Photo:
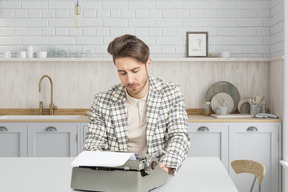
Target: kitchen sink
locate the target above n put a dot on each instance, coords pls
(40, 116)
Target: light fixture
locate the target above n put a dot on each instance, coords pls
(77, 11)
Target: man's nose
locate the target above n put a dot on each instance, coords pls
(130, 78)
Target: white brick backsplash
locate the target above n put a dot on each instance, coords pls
(103, 13)
(7, 13)
(141, 31)
(62, 40)
(34, 5)
(61, 22)
(89, 40)
(34, 32)
(141, 5)
(182, 13)
(141, 22)
(250, 22)
(127, 13)
(161, 24)
(115, 13)
(169, 5)
(195, 5)
(155, 31)
(102, 31)
(6, 32)
(222, 5)
(21, 14)
(34, 14)
(155, 13)
(128, 31)
(168, 22)
(251, 40)
(169, 40)
(114, 5)
(115, 22)
(89, 31)
(34, 41)
(168, 13)
(62, 13)
(61, 5)
(89, 13)
(34, 22)
(20, 31)
(48, 13)
(61, 31)
(48, 31)
(141, 14)
(10, 5)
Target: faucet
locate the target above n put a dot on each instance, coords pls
(51, 105)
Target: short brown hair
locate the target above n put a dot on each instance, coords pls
(129, 46)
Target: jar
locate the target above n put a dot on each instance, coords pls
(207, 109)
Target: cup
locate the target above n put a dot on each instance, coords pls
(30, 49)
(22, 54)
(30, 54)
(225, 54)
(7, 54)
(254, 109)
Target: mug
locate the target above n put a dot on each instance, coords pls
(22, 54)
(42, 54)
(7, 54)
(225, 54)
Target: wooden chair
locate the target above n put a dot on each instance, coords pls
(253, 167)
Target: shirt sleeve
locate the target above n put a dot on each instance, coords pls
(178, 141)
(96, 137)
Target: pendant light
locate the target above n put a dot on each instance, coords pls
(77, 11)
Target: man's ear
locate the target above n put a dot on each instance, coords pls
(148, 64)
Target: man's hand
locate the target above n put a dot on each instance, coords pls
(169, 170)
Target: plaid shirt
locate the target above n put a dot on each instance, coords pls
(166, 122)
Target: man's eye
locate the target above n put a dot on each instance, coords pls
(135, 71)
(122, 73)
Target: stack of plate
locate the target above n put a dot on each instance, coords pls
(221, 92)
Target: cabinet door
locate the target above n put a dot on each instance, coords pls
(82, 134)
(52, 140)
(209, 140)
(258, 142)
(13, 140)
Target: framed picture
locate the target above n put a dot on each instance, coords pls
(197, 44)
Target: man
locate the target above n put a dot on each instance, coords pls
(142, 114)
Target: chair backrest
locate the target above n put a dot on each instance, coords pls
(249, 166)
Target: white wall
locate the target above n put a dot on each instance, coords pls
(240, 26)
(277, 28)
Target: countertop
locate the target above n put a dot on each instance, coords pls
(191, 118)
(52, 174)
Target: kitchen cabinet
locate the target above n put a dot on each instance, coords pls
(209, 140)
(82, 135)
(237, 140)
(13, 140)
(258, 142)
(53, 140)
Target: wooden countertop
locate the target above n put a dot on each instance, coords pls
(191, 119)
(202, 118)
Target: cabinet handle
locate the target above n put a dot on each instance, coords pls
(52, 129)
(252, 129)
(203, 128)
(3, 129)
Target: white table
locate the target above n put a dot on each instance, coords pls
(201, 174)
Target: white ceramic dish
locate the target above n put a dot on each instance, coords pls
(244, 106)
(218, 100)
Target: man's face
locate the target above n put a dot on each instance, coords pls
(133, 75)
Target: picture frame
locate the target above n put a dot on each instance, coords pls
(197, 44)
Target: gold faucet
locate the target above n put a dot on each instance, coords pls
(51, 105)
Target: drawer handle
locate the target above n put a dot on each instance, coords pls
(203, 128)
(252, 129)
(3, 129)
(51, 129)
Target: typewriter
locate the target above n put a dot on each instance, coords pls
(140, 175)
